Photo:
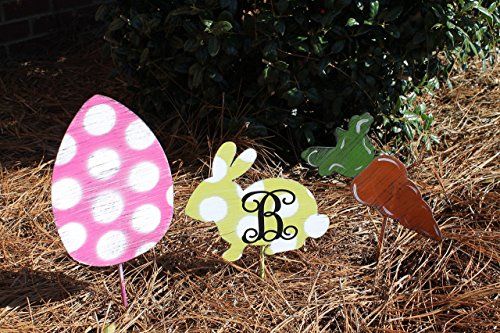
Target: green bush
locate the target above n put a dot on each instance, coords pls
(296, 69)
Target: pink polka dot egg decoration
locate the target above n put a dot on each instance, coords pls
(112, 190)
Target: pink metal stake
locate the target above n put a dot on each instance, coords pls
(122, 285)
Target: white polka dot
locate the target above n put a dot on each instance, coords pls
(138, 135)
(248, 222)
(107, 207)
(144, 248)
(170, 196)
(99, 119)
(67, 150)
(287, 208)
(240, 191)
(111, 245)
(144, 176)
(73, 236)
(219, 170)
(257, 186)
(213, 209)
(316, 225)
(146, 218)
(66, 193)
(248, 155)
(103, 163)
(282, 245)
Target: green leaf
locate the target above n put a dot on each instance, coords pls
(408, 131)
(101, 13)
(338, 46)
(374, 9)
(393, 31)
(302, 48)
(116, 24)
(450, 37)
(207, 24)
(215, 75)
(197, 77)
(176, 43)
(224, 3)
(282, 6)
(433, 84)
(317, 48)
(294, 97)
(137, 23)
(185, 11)
(225, 16)
(409, 116)
(427, 142)
(434, 138)
(313, 96)
(144, 56)
(420, 109)
(418, 38)
(396, 129)
(309, 135)
(190, 27)
(486, 14)
(213, 46)
(191, 45)
(340, 4)
(270, 50)
(280, 27)
(392, 14)
(221, 27)
(329, 4)
(194, 68)
(370, 80)
(265, 73)
(352, 22)
(281, 65)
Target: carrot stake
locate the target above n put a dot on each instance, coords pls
(122, 285)
(380, 181)
(381, 237)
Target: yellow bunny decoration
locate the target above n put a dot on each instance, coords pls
(276, 213)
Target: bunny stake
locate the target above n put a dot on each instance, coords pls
(276, 213)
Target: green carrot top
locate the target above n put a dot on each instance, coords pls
(352, 153)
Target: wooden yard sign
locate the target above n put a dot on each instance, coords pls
(277, 214)
(112, 191)
(380, 182)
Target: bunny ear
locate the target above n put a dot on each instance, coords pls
(242, 163)
(222, 161)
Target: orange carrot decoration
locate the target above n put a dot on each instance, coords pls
(385, 186)
(380, 182)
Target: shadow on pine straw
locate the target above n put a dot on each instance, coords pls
(36, 287)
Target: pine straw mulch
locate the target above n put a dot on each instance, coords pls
(334, 283)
